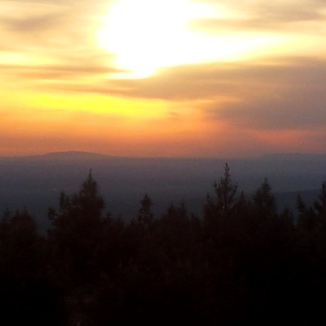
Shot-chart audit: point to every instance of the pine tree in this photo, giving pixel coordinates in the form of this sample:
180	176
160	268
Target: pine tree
225	192
76	231
145	215
320	205
264	200
81	212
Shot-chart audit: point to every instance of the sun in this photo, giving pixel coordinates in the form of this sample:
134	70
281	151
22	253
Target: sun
145	35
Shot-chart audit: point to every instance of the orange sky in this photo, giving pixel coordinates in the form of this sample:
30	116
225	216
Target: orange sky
163	78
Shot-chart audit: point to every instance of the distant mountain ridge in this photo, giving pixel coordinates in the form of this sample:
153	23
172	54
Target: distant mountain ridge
294	156
83	154
58	155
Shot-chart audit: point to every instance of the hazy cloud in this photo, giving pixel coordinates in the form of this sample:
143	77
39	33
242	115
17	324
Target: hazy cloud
286	97
204	81
178	83
261	15
33	24
284	94
295	110
57	72
51	29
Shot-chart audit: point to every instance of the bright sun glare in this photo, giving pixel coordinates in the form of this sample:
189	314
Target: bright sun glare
145	34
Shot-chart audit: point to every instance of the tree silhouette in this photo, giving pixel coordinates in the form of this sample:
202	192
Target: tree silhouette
307	217
243	263
76	231
264	201
320	205
145	215
79	212
225	192
19	251
27	293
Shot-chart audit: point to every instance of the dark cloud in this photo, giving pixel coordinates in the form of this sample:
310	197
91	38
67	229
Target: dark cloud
285	97
294	110
206	81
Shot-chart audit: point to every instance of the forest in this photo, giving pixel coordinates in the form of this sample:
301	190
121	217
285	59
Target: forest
240	262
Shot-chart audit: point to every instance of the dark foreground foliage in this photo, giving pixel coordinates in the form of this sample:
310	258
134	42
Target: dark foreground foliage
240	263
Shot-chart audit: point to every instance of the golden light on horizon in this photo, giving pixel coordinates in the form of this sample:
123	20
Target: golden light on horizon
95	104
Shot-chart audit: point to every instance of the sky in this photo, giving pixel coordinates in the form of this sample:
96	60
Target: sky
171	78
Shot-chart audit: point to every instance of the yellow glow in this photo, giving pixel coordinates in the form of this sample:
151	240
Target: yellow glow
145	35
96	104
25	59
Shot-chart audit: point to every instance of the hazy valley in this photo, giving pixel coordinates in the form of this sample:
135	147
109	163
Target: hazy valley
35	182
